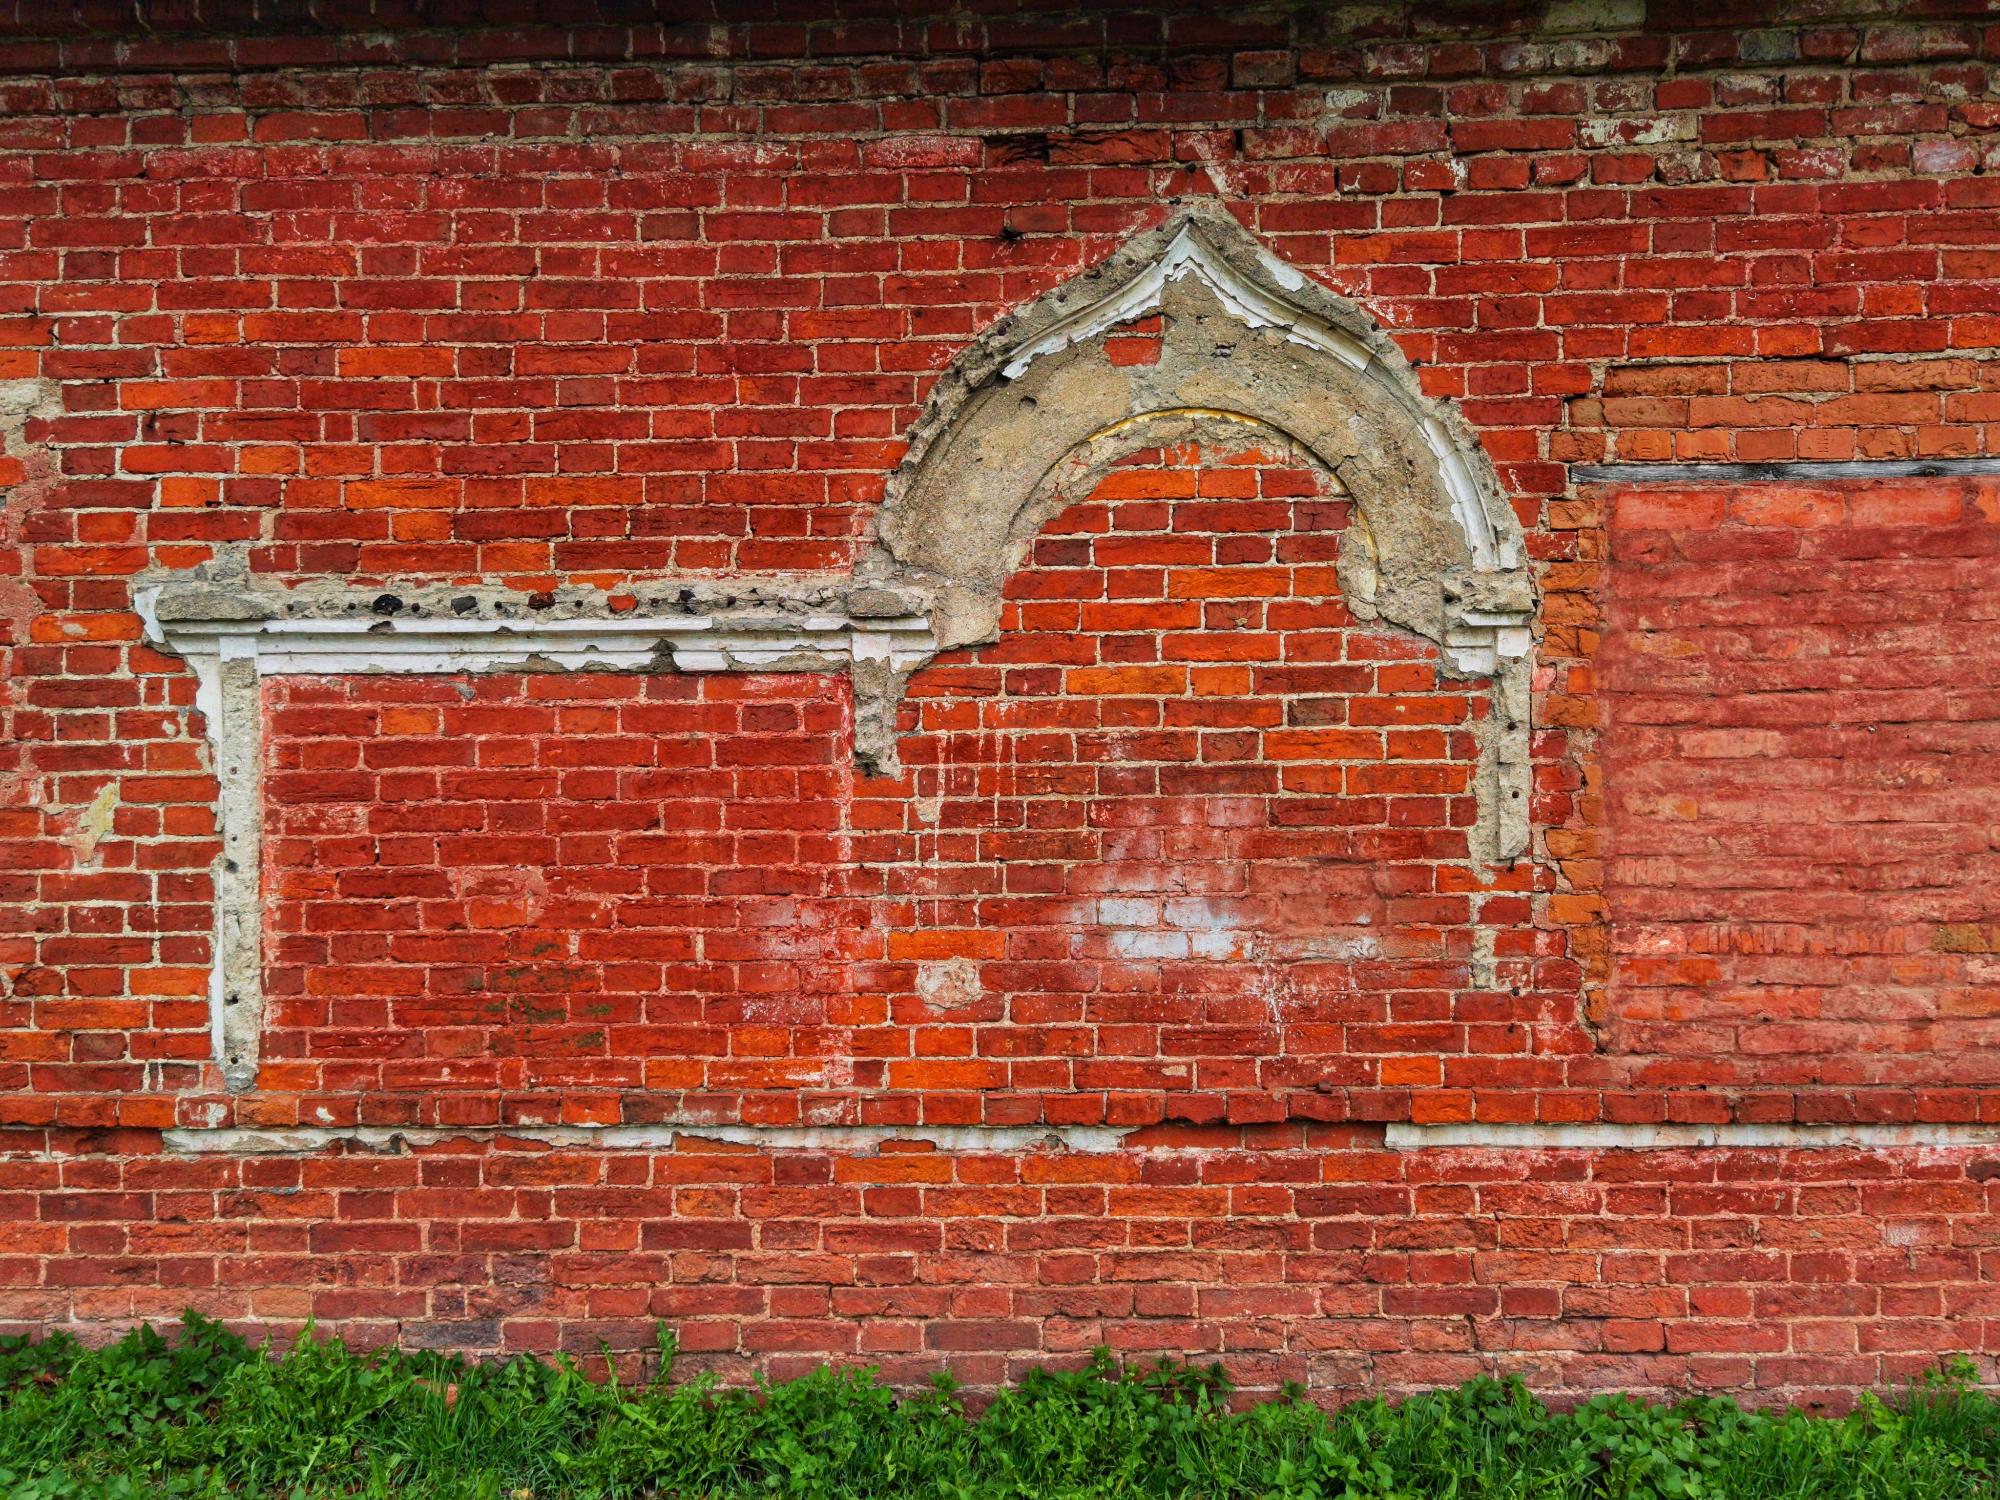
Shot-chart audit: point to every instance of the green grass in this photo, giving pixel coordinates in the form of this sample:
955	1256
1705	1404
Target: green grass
207	1414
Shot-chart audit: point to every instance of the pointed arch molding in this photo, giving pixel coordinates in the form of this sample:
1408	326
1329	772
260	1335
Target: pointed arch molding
1244	334
1032	408
1434	548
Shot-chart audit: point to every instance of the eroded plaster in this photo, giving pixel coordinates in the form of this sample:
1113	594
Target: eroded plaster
23	403
867	1140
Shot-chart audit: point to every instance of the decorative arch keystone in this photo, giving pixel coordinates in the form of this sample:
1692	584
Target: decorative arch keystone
1434	547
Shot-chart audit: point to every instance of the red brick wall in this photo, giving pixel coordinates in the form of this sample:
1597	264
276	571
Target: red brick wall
1802	794
1293	1252
1185	842
589	306
536	897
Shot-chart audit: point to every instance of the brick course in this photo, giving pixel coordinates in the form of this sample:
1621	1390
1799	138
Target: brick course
598	304
1288	1252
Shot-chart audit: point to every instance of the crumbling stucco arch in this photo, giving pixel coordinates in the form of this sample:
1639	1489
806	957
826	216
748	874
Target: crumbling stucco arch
1434	548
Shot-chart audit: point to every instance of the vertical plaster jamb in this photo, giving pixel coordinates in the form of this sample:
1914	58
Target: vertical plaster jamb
236	990
1505	771
876	681
1499	645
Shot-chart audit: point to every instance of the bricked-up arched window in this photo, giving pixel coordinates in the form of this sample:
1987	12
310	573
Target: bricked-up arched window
1230	335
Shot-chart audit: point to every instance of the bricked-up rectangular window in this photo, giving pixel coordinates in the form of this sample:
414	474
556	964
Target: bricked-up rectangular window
1801	684
554	887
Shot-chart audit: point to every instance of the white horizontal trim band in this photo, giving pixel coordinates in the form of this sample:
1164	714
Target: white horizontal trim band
1665	1137
855	1138
1780	473
1090	1139
686	643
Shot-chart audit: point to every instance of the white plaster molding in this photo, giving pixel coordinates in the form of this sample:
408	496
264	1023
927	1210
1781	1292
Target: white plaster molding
231	657
622	643
1457	575
1786	471
1091	1139
1188	255
1746	1135
1026	414
1480	642
858	1139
